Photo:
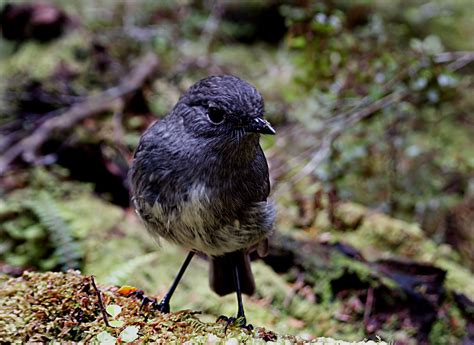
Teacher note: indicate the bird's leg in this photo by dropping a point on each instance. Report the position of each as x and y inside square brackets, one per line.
[164, 305]
[240, 320]
[240, 312]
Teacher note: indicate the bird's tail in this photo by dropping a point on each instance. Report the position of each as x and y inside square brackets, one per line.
[221, 274]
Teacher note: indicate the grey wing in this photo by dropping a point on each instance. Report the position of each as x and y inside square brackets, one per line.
[150, 167]
[259, 215]
[150, 178]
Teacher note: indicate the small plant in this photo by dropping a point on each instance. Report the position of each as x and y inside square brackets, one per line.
[128, 334]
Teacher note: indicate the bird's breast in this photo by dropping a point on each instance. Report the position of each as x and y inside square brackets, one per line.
[202, 222]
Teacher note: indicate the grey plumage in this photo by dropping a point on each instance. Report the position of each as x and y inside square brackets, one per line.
[200, 179]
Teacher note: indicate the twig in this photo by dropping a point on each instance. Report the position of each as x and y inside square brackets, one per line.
[340, 127]
[107, 100]
[368, 309]
[298, 285]
[118, 128]
[336, 125]
[101, 303]
[12, 131]
[455, 60]
[446, 57]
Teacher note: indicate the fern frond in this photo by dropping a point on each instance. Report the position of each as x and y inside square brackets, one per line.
[67, 248]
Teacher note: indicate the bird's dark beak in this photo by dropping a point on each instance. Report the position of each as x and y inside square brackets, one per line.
[259, 125]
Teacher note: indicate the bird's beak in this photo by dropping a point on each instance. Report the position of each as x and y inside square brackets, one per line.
[259, 125]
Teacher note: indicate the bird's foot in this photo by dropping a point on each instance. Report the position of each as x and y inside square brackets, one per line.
[235, 321]
[162, 307]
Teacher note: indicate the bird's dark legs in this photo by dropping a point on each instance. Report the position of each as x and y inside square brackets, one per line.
[164, 305]
[240, 312]
[240, 320]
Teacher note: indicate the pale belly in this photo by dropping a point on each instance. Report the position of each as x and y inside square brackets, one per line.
[198, 224]
[194, 228]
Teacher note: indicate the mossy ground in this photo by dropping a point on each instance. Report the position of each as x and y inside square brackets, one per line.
[44, 307]
[117, 250]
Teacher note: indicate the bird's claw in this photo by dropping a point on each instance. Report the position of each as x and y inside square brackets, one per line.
[139, 294]
[145, 301]
[235, 321]
[162, 307]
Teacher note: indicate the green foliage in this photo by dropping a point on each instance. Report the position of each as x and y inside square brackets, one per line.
[127, 335]
[23, 240]
[38, 237]
[67, 252]
[351, 54]
[42, 225]
[449, 328]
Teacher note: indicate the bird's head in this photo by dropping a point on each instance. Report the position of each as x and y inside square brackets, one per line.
[225, 107]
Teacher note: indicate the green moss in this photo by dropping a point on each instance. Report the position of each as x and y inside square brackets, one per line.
[380, 236]
[65, 307]
[86, 213]
[459, 278]
[449, 328]
[39, 61]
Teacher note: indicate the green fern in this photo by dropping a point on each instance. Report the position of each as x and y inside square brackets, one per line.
[67, 249]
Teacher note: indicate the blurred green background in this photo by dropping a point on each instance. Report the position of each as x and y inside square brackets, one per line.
[372, 166]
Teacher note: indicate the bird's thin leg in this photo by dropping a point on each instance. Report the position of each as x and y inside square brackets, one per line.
[240, 312]
[164, 305]
[240, 320]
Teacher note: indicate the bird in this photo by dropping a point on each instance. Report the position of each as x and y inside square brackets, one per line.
[200, 180]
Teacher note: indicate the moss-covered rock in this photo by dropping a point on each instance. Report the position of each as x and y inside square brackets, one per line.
[379, 236]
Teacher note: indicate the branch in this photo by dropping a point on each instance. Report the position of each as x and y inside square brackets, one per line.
[336, 125]
[341, 126]
[454, 56]
[94, 105]
[456, 60]
[101, 303]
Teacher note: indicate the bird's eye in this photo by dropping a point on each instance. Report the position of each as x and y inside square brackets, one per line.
[215, 115]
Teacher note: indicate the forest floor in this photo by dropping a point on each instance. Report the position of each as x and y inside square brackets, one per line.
[371, 170]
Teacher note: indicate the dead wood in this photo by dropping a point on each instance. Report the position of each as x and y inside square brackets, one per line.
[107, 100]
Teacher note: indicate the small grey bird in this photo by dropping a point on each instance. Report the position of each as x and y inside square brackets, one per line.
[200, 180]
